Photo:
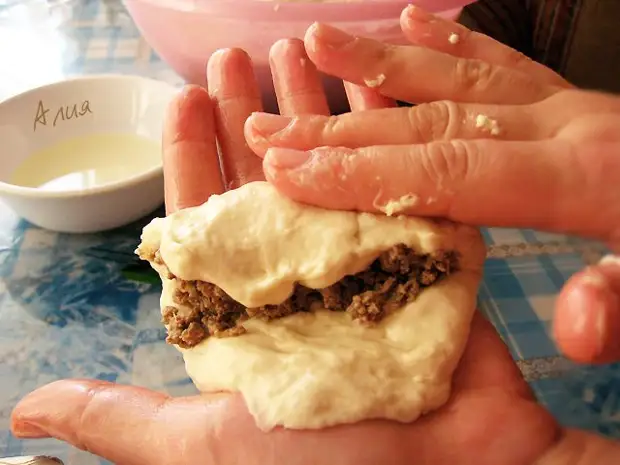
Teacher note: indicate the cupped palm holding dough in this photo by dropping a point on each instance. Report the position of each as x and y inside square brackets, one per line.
[316, 369]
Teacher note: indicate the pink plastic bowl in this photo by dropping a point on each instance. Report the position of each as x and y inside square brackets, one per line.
[186, 32]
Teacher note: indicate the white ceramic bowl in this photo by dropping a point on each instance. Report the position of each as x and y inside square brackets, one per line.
[118, 104]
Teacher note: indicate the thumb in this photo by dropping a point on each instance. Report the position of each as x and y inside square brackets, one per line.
[130, 425]
[124, 424]
[542, 184]
[587, 321]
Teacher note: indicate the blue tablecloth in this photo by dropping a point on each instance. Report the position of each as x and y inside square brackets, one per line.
[67, 311]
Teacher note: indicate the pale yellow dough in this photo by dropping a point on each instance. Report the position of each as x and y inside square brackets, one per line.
[320, 369]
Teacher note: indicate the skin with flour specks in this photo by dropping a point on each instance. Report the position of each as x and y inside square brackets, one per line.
[312, 370]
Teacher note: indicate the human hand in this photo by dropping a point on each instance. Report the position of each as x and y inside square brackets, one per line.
[196, 119]
[498, 140]
[131, 425]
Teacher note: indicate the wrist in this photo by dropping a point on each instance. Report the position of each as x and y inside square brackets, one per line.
[575, 447]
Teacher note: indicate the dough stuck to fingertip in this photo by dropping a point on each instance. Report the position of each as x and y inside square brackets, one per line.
[488, 124]
[394, 206]
[376, 82]
[593, 280]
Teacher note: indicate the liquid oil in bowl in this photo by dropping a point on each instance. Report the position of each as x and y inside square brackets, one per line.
[88, 161]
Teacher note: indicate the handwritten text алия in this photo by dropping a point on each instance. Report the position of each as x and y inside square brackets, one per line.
[53, 116]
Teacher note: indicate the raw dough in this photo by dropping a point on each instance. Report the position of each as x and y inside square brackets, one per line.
[319, 369]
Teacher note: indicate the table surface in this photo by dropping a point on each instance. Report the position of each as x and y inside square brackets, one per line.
[67, 311]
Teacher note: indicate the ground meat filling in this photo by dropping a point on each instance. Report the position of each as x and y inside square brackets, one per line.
[397, 277]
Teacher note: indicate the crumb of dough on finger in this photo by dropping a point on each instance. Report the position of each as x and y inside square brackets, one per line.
[376, 82]
[454, 38]
[395, 206]
[488, 124]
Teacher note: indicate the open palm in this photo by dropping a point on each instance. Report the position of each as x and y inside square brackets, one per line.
[491, 419]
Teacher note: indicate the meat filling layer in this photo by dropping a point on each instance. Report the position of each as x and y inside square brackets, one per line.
[396, 278]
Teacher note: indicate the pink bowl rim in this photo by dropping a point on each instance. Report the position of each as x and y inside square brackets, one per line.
[274, 10]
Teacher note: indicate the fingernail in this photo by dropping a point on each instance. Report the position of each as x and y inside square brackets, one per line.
[219, 54]
[283, 48]
[610, 260]
[22, 429]
[192, 90]
[187, 90]
[418, 15]
[214, 61]
[332, 36]
[286, 158]
[216, 67]
[594, 280]
[594, 310]
[268, 124]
